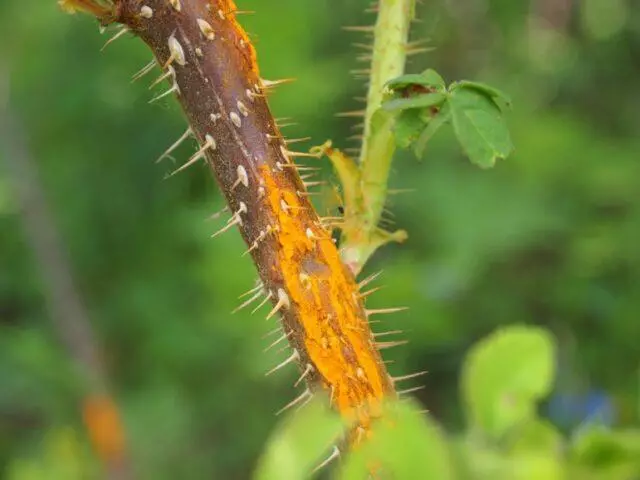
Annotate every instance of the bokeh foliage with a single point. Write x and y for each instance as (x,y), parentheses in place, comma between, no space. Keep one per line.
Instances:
(546,237)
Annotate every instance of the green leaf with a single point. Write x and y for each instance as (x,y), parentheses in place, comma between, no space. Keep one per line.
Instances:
(409,446)
(505,375)
(487,90)
(408,126)
(300,443)
(479,127)
(442,117)
(418,101)
(433,79)
(428,78)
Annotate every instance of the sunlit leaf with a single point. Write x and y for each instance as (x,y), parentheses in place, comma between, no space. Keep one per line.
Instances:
(405,445)
(505,375)
(300,442)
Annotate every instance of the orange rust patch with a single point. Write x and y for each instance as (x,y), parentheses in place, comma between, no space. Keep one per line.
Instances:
(101,418)
(324,294)
(229,9)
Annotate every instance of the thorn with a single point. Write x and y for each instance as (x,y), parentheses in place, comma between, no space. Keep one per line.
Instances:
(385,345)
(259,286)
(226,227)
(265,300)
(354,113)
(175,88)
(409,377)
(289,153)
(364,46)
(243,178)
(307,194)
(304,395)
(409,390)
(335,453)
(182,138)
(169,73)
(248,302)
(272,332)
(314,184)
(295,356)
(368,280)
(176,52)
(120,33)
(297,140)
(144,70)
(369,292)
(206,29)
(386,334)
(261,236)
(234,220)
(301,168)
(308,369)
(176,5)
(386,310)
(217,215)
(210,143)
(268,84)
(360,28)
(283,302)
(280,339)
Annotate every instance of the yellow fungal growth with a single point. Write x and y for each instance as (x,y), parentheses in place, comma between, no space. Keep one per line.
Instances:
(333,326)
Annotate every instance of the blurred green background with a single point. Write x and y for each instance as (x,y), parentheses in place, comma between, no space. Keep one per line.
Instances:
(547,237)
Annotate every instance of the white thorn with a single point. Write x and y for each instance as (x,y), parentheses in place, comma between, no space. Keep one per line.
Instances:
(283,302)
(173,89)
(169,73)
(146,12)
(390,332)
(306,396)
(295,356)
(408,377)
(176,5)
(280,339)
(261,304)
(235,119)
(410,390)
(177,143)
(243,178)
(199,52)
(242,109)
(247,302)
(231,223)
(386,310)
(335,453)
(177,53)
(308,369)
(210,143)
(144,70)
(217,215)
(369,279)
(254,289)
(384,345)
(206,29)
(122,31)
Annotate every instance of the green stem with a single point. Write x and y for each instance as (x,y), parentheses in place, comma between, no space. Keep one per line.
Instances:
(389,56)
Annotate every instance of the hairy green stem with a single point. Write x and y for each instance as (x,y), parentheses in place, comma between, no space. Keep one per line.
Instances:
(364,236)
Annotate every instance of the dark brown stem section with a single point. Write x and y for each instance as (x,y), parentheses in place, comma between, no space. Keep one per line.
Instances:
(211,66)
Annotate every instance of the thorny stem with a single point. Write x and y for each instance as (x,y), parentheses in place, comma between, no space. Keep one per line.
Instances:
(362,236)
